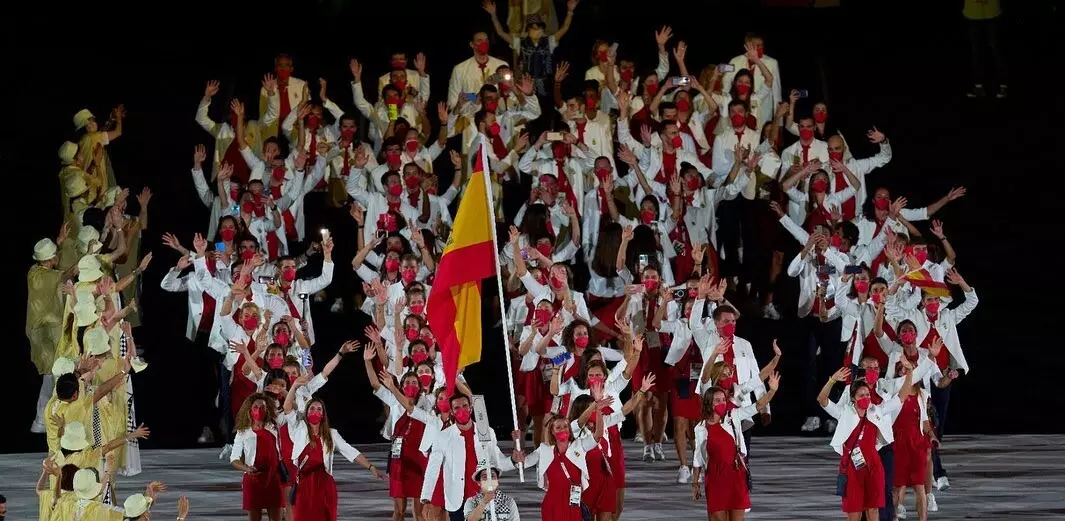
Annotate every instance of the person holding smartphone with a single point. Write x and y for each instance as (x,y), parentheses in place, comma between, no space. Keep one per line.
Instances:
(765,71)
(471,74)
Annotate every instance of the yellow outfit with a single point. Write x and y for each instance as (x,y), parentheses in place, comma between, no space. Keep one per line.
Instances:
(981,9)
(99,177)
(70,508)
(44,504)
(44,315)
(130,265)
(79,410)
(112,408)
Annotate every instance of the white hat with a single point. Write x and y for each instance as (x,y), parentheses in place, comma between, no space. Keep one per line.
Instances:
(85,313)
(74,185)
(87,236)
(82,118)
(62,366)
(86,483)
(67,152)
(110,195)
(136,505)
(483,466)
(89,268)
(97,342)
(44,250)
(74,437)
(138,364)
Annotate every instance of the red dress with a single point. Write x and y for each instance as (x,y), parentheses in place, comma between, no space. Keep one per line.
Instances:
(405,472)
(911,445)
(652,360)
(555,506)
(602,492)
(286,454)
(242,387)
(263,489)
(725,476)
(690,407)
(316,491)
(616,453)
(537,388)
(865,486)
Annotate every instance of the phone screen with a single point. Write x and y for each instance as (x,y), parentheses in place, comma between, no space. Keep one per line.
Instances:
(726,67)
(220,247)
(643,261)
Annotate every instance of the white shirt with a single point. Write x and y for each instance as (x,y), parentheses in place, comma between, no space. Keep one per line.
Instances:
(946,324)
(732,423)
(448,455)
(765,112)
(467,78)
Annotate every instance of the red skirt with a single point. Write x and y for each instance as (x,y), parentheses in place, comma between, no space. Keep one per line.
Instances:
(690,408)
(537,392)
(911,460)
(604,309)
(652,361)
(286,454)
(438,492)
(316,496)
(405,472)
(263,489)
(726,488)
(616,456)
(602,493)
(865,487)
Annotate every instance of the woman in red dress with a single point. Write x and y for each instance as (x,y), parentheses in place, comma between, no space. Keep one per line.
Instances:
(241,327)
(912,445)
(313,446)
(256,453)
(601,495)
(720,453)
(562,467)
(537,381)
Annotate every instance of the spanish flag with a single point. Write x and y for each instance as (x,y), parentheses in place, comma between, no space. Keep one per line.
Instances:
(454,307)
(922,279)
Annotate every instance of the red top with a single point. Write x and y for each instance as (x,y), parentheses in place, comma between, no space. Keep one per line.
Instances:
(472,487)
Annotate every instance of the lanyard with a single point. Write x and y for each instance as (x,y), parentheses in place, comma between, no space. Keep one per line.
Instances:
(562,459)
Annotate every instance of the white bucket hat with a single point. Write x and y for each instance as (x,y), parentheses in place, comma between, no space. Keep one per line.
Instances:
(88,240)
(85,313)
(74,437)
(82,118)
(67,152)
(136,505)
(110,195)
(86,483)
(74,185)
(89,268)
(62,366)
(44,250)
(97,342)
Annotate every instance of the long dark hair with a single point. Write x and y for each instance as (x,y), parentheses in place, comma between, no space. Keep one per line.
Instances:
(736,95)
(579,405)
(535,224)
(643,242)
(324,432)
(604,262)
(708,400)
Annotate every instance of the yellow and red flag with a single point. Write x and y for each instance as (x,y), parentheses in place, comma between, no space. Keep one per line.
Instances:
(454,307)
(922,279)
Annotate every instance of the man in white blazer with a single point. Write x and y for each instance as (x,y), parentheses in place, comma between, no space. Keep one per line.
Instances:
(469,76)
(740,62)
(449,452)
(292,90)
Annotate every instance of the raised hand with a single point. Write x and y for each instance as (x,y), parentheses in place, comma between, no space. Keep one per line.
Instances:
(237,107)
(211,89)
(269,84)
(751,53)
(199,155)
(648,382)
(322,90)
(937,229)
(955,278)
(875,135)
(625,154)
(562,71)
(842,374)
(526,85)
(489,7)
(225,172)
(663,35)
(370,351)
(350,346)
(956,193)
(356,69)
(774,381)
(419,63)
(777,209)
(680,51)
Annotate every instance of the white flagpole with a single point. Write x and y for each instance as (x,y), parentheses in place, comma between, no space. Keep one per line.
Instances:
(483,152)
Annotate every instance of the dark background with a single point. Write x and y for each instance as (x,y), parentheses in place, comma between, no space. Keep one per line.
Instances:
(902,66)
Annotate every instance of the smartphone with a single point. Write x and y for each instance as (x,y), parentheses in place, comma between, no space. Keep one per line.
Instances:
(826,269)
(381,234)
(680,294)
(263,279)
(643,261)
(325,234)
(802,93)
(852,270)
(470,97)
(555,136)
(525,254)
(220,247)
(302,296)
(726,67)
(508,76)
(684,81)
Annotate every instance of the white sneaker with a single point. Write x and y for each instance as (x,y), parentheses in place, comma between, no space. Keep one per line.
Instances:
(942,483)
(770,312)
(205,436)
(812,424)
(226,451)
(639,437)
(684,475)
(900,513)
(830,426)
(659,455)
(37,428)
(647,455)
(932,505)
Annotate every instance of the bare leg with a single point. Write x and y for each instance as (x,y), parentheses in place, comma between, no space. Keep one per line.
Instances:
(290,510)
(680,439)
(274,514)
(854,516)
(419,509)
(872,513)
(661,416)
(255,515)
(721,515)
(736,515)
(399,508)
(922,503)
(604,516)
(621,503)
(641,420)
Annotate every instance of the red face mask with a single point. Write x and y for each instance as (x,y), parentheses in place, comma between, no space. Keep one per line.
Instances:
(602,56)
(602,173)
(410,391)
(877,298)
(347,134)
(821,116)
(314,417)
(420,356)
(428,339)
(417,309)
(542,316)
(491,105)
(562,436)
(250,322)
(589,103)
(228,234)
(288,274)
(737,120)
(282,338)
(312,121)
(651,88)
(595,381)
(399,64)
(921,256)
(861,286)
(412,334)
(425,379)
(871,376)
(743,88)
(693,184)
(728,330)
(393,159)
(284,74)
(395,190)
(409,274)
(559,151)
(545,249)
(481,47)
(258,413)
(581,342)
(626,75)
(443,405)
(556,283)
(412,146)
(247,255)
(493,129)
(908,336)
(932,307)
(677,142)
(275,362)
(462,416)
(248,207)
(720,408)
(863,403)
(760,51)
(650,286)
(838,156)
(647,216)
(881,203)
(819,186)
(683,105)
(806,134)
(835,241)
(401,85)
(391,265)
(412,181)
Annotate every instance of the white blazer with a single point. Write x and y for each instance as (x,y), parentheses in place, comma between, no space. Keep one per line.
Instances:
(946,324)
(297,430)
(245,443)
(803,269)
(883,416)
(733,425)
(544,456)
(747,370)
(448,455)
